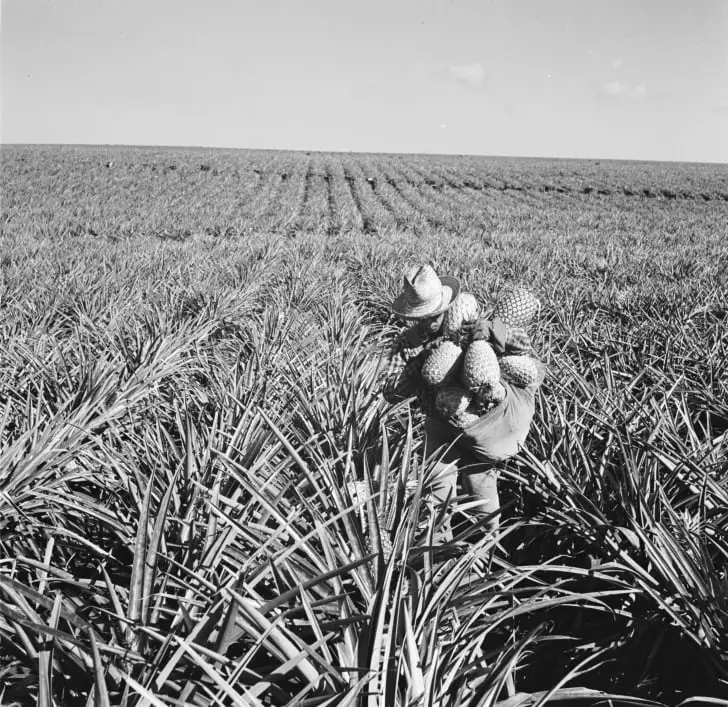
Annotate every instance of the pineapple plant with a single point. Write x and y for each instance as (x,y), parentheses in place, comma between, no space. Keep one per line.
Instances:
(360,493)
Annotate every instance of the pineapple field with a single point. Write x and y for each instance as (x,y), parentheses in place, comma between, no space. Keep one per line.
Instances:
(205,500)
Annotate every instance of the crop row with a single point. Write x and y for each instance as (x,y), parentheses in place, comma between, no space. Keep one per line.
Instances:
(119,193)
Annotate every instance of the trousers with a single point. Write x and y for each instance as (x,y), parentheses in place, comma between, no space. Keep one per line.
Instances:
(475,455)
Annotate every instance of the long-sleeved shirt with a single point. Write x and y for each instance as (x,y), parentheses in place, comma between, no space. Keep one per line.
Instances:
(403,375)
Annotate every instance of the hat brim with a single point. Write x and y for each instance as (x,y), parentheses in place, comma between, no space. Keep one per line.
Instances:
(451,289)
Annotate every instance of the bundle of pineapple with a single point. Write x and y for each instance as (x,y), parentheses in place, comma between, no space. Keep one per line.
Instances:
(467,366)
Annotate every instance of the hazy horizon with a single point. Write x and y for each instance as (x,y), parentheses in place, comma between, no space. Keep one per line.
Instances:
(596,158)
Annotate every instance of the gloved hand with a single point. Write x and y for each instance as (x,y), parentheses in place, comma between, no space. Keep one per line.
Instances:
(504,338)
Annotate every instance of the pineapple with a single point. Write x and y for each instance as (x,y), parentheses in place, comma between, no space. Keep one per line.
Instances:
(463,419)
(452,403)
(519,370)
(516,307)
(487,397)
(464,310)
(480,366)
(498,393)
(442,365)
(452,400)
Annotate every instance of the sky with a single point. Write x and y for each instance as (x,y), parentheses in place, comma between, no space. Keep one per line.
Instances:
(620,79)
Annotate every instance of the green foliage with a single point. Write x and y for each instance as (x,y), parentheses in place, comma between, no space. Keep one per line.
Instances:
(204,500)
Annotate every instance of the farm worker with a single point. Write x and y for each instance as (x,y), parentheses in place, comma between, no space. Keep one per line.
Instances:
(477,452)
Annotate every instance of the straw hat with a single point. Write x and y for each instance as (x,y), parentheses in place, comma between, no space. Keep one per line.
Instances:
(425,294)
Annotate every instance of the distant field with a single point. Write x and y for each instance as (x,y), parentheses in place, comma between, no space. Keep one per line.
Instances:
(189,387)
(569,218)
(230,192)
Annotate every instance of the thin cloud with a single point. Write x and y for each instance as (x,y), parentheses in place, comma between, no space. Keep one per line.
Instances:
(614,88)
(620,89)
(473,74)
